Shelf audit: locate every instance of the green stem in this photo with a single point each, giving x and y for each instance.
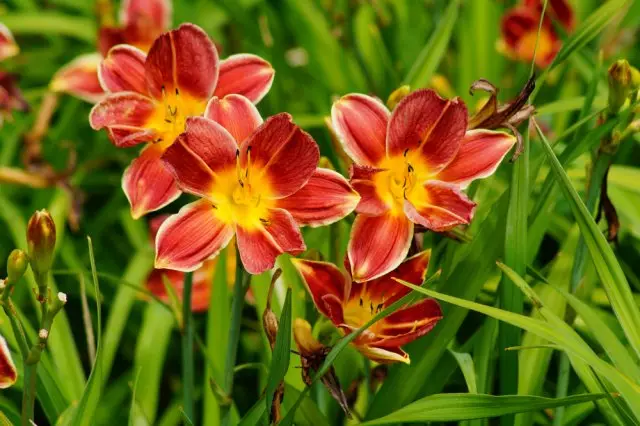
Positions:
(29, 393)
(239, 290)
(187, 346)
(16, 326)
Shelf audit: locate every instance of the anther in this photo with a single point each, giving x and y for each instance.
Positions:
(406, 151)
(379, 307)
(371, 307)
(361, 303)
(265, 221)
(177, 91)
(410, 168)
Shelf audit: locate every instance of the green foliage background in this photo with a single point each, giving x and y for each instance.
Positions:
(530, 217)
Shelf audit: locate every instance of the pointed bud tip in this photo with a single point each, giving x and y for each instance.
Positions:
(41, 240)
(17, 265)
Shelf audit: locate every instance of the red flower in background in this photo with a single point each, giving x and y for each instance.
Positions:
(520, 30)
(409, 167)
(142, 21)
(257, 181)
(8, 372)
(202, 278)
(153, 95)
(8, 46)
(349, 305)
(10, 95)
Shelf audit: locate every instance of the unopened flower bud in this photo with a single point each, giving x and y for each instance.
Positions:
(269, 319)
(58, 303)
(16, 265)
(620, 83)
(397, 95)
(41, 240)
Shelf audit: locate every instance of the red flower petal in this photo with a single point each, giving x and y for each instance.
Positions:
(558, 9)
(109, 37)
(201, 291)
(519, 21)
(128, 111)
(326, 198)
(362, 181)
(282, 153)
(259, 247)
(148, 184)
(191, 236)
(79, 78)
(433, 126)
(479, 156)
(440, 207)
(183, 59)
(386, 289)
(246, 75)
(378, 244)
(360, 122)
(236, 114)
(324, 279)
(407, 324)
(8, 46)
(202, 151)
(8, 372)
(147, 17)
(123, 70)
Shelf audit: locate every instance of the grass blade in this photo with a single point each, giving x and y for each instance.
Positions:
(281, 352)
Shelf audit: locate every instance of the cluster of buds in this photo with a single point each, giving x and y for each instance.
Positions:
(41, 239)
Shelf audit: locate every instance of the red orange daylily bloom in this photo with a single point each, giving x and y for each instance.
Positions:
(8, 46)
(349, 305)
(520, 30)
(202, 278)
(409, 167)
(142, 21)
(8, 372)
(152, 97)
(256, 181)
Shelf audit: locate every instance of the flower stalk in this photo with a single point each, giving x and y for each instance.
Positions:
(187, 346)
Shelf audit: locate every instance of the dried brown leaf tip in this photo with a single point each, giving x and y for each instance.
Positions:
(493, 115)
(312, 355)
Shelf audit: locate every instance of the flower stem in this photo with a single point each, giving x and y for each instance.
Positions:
(29, 393)
(187, 346)
(239, 290)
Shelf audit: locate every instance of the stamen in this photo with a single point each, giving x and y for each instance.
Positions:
(265, 221)
(361, 303)
(177, 91)
(371, 307)
(214, 206)
(238, 173)
(406, 151)
(379, 307)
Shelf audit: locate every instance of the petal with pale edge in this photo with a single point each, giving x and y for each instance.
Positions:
(479, 156)
(281, 153)
(148, 184)
(323, 279)
(440, 207)
(425, 123)
(259, 247)
(236, 114)
(360, 122)
(386, 289)
(200, 293)
(8, 46)
(185, 60)
(128, 113)
(79, 78)
(384, 355)
(326, 198)
(198, 154)
(122, 70)
(190, 237)
(8, 372)
(362, 181)
(407, 324)
(246, 75)
(378, 244)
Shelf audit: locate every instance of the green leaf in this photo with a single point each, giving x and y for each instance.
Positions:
(52, 23)
(464, 406)
(254, 414)
(431, 55)
(281, 352)
(465, 362)
(608, 269)
(86, 408)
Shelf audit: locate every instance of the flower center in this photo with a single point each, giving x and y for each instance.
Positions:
(527, 44)
(171, 115)
(398, 179)
(241, 197)
(359, 311)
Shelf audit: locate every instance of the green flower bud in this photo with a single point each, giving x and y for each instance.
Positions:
(399, 94)
(41, 240)
(620, 83)
(16, 265)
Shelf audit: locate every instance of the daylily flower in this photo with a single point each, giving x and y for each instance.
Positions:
(260, 185)
(10, 97)
(409, 167)
(152, 97)
(520, 30)
(142, 21)
(8, 372)
(8, 45)
(349, 305)
(202, 278)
